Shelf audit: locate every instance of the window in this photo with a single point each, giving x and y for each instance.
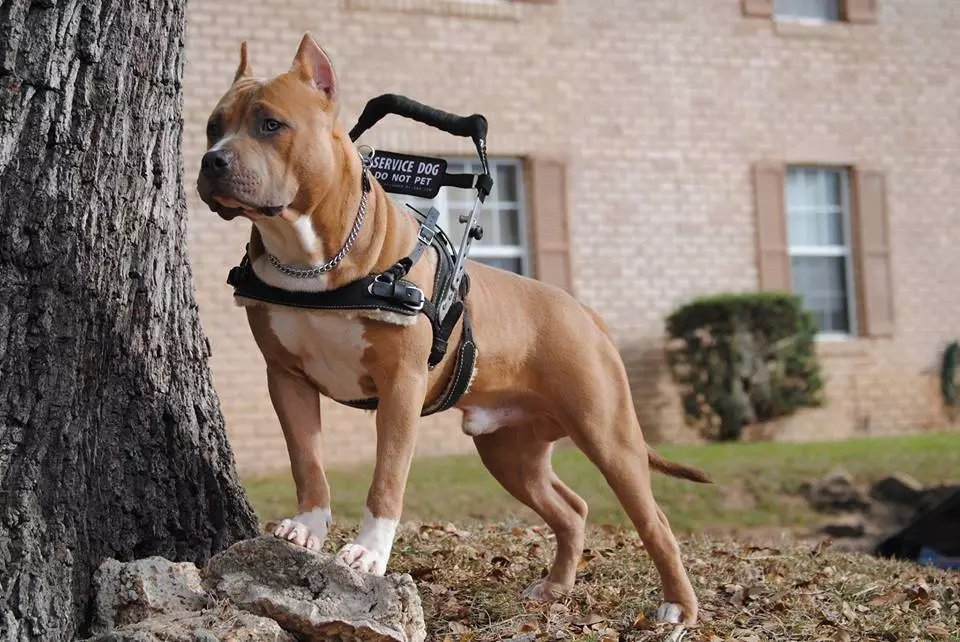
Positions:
(503, 215)
(859, 12)
(818, 237)
(813, 10)
(828, 242)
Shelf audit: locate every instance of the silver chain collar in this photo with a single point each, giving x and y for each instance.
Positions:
(314, 272)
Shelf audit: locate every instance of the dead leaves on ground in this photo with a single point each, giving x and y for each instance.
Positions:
(470, 583)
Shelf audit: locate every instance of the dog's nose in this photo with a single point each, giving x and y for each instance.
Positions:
(215, 163)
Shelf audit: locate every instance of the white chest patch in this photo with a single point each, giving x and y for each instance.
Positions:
(303, 226)
(483, 421)
(330, 346)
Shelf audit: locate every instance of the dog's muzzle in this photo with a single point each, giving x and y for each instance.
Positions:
(213, 169)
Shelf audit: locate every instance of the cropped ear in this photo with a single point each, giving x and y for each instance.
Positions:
(243, 70)
(315, 68)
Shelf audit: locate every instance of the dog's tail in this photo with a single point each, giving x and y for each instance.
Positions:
(673, 469)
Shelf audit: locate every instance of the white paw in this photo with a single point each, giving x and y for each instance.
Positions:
(544, 591)
(669, 612)
(306, 529)
(362, 559)
(371, 550)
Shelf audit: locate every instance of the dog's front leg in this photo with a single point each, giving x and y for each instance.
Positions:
(297, 404)
(401, 401)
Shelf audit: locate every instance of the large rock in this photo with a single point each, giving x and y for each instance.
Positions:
(835, 492)
(132, 592)
(260, 589)
(898, 488)
(212, 625)
(313, 596)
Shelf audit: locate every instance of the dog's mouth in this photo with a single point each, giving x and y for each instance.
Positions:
(229, 208)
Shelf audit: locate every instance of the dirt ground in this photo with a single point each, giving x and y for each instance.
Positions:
(762, 586)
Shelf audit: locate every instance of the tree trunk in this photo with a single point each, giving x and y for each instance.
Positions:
(111, 437)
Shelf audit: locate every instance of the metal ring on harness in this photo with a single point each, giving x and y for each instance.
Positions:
(366, 152)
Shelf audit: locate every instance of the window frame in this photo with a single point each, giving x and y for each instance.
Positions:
(852, 12)
(847, 251)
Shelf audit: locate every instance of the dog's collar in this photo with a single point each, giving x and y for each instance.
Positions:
(314, 272)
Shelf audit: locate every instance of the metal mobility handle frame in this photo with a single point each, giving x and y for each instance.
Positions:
(473, 127)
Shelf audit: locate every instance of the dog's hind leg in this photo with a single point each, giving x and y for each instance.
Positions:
(601, 421)
(520, 461)
(627, 471)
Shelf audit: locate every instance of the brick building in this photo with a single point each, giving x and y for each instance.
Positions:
(647, 151)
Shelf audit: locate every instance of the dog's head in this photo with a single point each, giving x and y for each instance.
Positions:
(269, 142)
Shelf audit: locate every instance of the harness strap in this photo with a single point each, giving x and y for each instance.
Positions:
(426, 235)
(405, 298)
(463, 369)
(430, 234)
(442, 328)
(462, 372)
(428, 231)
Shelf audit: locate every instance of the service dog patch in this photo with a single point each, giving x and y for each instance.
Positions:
(410, 175)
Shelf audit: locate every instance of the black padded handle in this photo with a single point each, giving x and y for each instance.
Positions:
(474, 126)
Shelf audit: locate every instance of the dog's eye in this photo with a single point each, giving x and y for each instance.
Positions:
(271, 125)
(213, 129)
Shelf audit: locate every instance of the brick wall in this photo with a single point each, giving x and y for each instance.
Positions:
(659, 109)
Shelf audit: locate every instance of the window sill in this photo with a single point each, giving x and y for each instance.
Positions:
(833, 346)
(797, 28)
(451, 8)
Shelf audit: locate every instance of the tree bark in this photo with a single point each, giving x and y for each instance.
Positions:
(112, 443)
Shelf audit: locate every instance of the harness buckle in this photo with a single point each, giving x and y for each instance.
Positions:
(399, 292)
(425, 236)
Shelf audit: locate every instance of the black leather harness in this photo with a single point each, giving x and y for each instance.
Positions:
(390, 292)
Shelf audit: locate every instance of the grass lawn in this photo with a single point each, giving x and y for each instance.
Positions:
(754, 484)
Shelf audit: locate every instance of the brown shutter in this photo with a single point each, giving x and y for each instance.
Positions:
(773, 256)
(871, 246)
(861, 11)
(548, 223)
(758, 8)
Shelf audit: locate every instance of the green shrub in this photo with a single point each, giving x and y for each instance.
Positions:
(742, 359)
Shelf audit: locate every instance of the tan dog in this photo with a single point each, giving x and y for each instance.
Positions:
(547, 366)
